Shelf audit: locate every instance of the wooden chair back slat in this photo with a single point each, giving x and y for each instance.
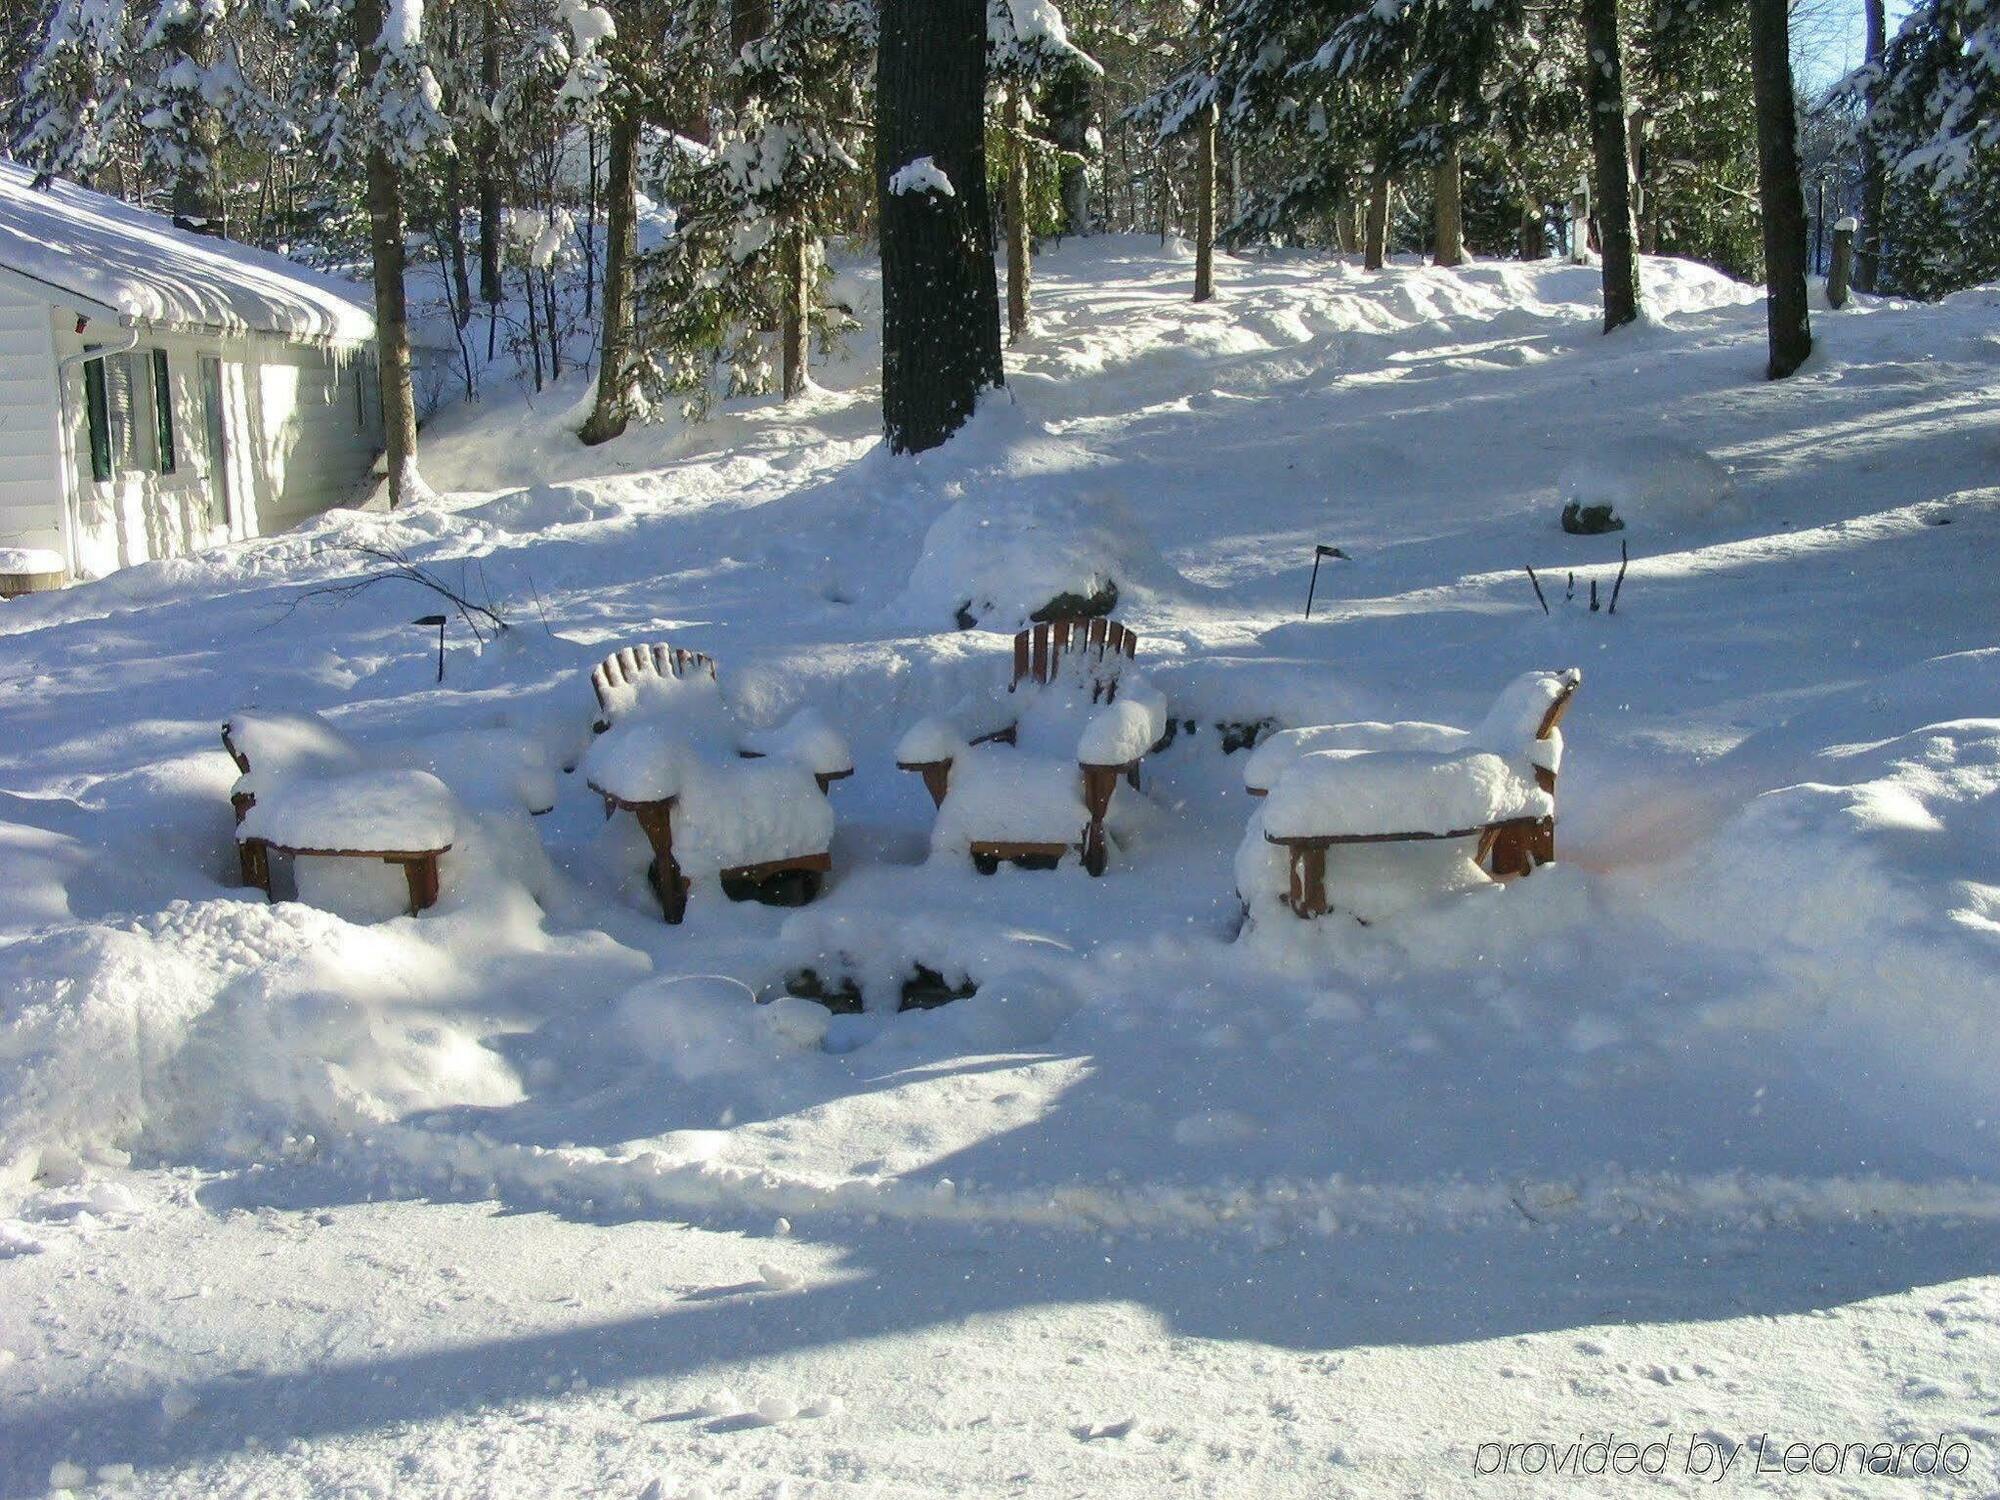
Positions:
(626, 666)
(1039, 651)
(1554, 717)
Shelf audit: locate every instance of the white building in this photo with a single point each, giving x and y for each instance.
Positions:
(162, 391)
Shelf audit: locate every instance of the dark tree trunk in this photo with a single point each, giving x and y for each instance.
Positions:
(392, 323)
(1375, 226)
(613, 409)
(1604, 72)
(1534, 237)
(940, 301)
(1868, 259)
(795, 317)
(1019, 242)
(490, 290)
(1204, 207)
(1069, 108)
(1779, 192)
(1448, 239)
(454, 239)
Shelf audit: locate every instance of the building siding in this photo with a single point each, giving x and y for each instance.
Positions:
(30, 463)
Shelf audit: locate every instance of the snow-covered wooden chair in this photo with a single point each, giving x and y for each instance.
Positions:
(1339, 785)
(1078, 718)
(747, 808)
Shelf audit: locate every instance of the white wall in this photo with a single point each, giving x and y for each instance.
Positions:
(296, 444)
(30, 465)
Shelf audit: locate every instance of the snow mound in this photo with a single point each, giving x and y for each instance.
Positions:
(1005, 795)
(541, 507)
(1649, 481)
(703, 1025)
(1873, 910)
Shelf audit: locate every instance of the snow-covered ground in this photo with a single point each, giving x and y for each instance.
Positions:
(1689, 1138)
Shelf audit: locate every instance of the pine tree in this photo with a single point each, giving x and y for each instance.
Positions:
(940, 303)
(1618, 230)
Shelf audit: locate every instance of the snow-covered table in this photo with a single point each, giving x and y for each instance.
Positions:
(400, 817)
(1345, 785)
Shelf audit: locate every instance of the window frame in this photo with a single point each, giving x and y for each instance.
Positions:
(97, 416)
(166, 457)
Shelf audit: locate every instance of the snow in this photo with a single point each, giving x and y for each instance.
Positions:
(1002, 794)
(808, 739)
(929, 741)
(30, 560)
(1121, 732)
(369, 809)
(1653, 482)
(640, 760)
(1399, 791)
(921, 175)
(748, 812)
(484, 1201)
(136, 263)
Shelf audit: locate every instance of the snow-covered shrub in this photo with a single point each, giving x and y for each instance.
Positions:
(1655, 483)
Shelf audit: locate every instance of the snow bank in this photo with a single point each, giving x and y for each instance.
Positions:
(1866, 897)
(1653, 482)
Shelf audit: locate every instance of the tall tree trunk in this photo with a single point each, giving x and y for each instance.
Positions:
(1448, 239)
(1019, 246)
(491, 292)
(392, 322)
(940, 302)
(1204, 206)
(1778, 189)
(1868, 257)
(613, 408)
(1604, 70)
(1375, 226)
(1347, 222)
(454, 238)
(795, 319)
(1069, 103)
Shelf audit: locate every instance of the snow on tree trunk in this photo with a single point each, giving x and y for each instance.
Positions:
(1204, 206)
(1019, 247)
(1778, 189)
(614, 374)
(1617, 233)
(392, 323)
(1868, 259)
(1448, 246)
(940, 301)
(1375, 229)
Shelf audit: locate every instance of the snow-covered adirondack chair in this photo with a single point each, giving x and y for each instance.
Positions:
(1030, 777)
(1337, 785)
(304, 789)
(747, 808)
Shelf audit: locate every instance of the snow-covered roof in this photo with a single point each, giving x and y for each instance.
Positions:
(105, 256)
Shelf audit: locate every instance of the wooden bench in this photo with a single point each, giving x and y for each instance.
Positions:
(1097, 648)
(1507, 847)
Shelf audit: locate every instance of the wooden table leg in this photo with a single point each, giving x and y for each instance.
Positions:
(253, 862)
(422, 874)
(1308, 894)
(657, 820)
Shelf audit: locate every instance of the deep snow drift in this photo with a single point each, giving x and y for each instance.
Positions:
(529, 1192)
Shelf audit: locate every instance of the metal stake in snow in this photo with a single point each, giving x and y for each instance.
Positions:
(1321, 551)
(439, 621)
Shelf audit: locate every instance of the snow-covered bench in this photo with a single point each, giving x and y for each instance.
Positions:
(1370, 784)
(303, 788)
(1078, 718)
(748, 809)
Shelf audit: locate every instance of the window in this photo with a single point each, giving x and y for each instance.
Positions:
(214, 421)
(163, 412)
(97, 413)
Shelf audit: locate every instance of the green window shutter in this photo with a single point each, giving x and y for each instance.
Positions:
(97, 411)
(163, 411)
